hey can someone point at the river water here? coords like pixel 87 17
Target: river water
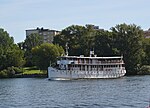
pixel 126 92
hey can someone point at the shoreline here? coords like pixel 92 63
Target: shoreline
pixel 31 76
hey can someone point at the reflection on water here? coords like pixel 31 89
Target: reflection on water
pixel 127 92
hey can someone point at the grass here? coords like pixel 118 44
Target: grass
pixel 32 70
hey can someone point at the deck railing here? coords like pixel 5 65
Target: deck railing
pixel 99 63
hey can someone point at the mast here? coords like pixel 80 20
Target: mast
pixel 67 49
pixel 92 52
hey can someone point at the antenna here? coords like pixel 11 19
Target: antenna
pixel 50 64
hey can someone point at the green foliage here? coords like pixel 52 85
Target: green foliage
pixel 128 40
pixel 30 42
pixel 79 38
pixel 10 54
pixel 46 54
pixel 144 70
pixel 15 57
pixel 31 71
pixel 10 72
pixel 104 44
pixel 3 74
pixel 72 36
pixel 123 39
pixel 87 40
pixel 5 40
pixel 146 48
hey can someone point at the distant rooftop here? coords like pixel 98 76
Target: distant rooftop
pixel 42 29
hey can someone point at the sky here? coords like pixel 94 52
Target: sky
pixel 16 16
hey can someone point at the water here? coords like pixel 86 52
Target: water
pixel 127 92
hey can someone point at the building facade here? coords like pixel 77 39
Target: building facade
pixel 47 34
pixel 147 33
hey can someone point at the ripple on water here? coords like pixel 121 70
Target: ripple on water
pixel 127 92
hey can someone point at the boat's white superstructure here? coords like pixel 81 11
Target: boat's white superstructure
pixel 80 67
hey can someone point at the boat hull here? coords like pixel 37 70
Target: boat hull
pixel 56 74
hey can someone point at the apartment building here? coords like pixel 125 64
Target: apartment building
pixel 48 35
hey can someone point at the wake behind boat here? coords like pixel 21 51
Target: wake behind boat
pixel 93 67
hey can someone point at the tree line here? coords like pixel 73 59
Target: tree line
pixel 123 39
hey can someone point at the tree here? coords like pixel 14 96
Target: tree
pixel 5 40
pixel 128 41
pixel 87 39
pixel 104 44
pixel 79 38
pixel 10 53
pixel 146 47
pixel 15 57
pixel 72 36
pixel 46 54
pixel 30 42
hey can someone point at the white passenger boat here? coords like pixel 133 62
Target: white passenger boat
pixel 92 67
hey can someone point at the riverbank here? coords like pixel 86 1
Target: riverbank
pixel 31 76
pixel 26 72
pixel 32 72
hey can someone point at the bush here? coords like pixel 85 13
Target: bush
pixel 10 72
pixel 145 70
pixel 17 70
pixel 3 74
